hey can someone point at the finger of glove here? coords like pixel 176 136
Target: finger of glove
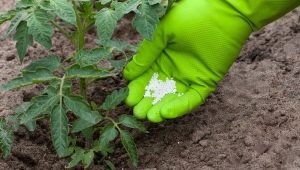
pixel 153 114
pixel 182 105
pixel 147 53
pixel 137 89
pixel 141 109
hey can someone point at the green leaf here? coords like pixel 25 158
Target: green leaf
pixel 118 64
pixel 103 2
pixel 51 63
pixel 129 145
pixel 76 157
pixel 91 57
pixel 39 27
pixel 6 139
pixel 7 16
pixel 133 5
pixel 20 16
pixel 132 122
pixel 86 72
pixel 23 39
pixel 39 106
pixel 106 22
pixel 81 109
pixel 81 124
pixel 14 119
pixel 31 125
pixel 153 2
pixel 24 3
pixel 45 5
pixel 108 134
pixel 22 108
pixel 88 158
pixel 114 99
pixel 88 133
pixel 146 20
pixel 120 8
pixel 64 9
pixel 59 129
pixel 29 78
pixel 68 151
pixel 110 165
pixel 117 45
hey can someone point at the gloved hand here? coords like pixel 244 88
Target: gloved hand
pixel 195 43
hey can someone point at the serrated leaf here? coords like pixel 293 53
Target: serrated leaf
pixel 68 151
pixel 114 99
pixel 76 157
pixel 159 9
pixel 39 105
pixel 15 22
pixel 118 64
pixel 64 9
pixel 51 63
pixel 103 2
pixel 29 78
pixel 81 124
pixel 81 109
pixel 132 122
pixel 88 158
pixel 88 133
pixel 59 129
pixel 153 2
pixel 22 108
pixel 91 57
pixel 6 139
pixel 24 3
pixel 132 5
pixel 14 120
pixel 45 5
pixel 110 165
pixel 117 45
pixel 39 27
pixel 106 22
pixel 108 134
pixel 31 125
pixel 146 20
pixel 129 145
pixel 23 39
pixel 120 8
pixel 86 72
pixel 7 16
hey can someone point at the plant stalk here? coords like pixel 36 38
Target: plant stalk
pixel 83 87
pixel 79 44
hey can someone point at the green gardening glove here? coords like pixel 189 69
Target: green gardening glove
pixel 195 44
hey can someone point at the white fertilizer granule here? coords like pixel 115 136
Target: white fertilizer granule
pixel 159 88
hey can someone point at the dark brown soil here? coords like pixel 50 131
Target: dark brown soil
pixel 251 122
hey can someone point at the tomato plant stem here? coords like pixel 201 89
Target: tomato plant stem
pixel 80 43
pixel 61 90
pixel 113 121
pixel 83 87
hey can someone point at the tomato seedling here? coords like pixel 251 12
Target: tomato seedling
pixel 74 119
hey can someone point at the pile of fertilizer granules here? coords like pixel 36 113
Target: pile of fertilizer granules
pixel 157 89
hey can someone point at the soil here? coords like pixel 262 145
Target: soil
pixel 251 122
